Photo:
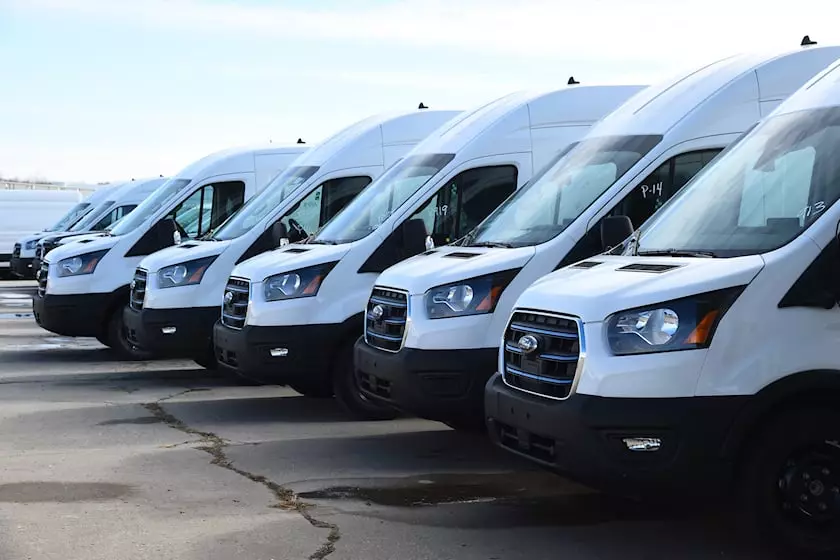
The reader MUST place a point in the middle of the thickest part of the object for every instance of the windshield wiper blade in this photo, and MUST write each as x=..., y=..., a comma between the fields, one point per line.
x=676, y=253
x=321, y=242
x=496, y=244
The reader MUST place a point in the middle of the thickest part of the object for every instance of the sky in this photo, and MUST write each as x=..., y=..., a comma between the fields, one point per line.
x=98, y=90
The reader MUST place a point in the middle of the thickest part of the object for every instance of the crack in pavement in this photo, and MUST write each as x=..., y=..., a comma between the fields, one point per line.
x=215, y=446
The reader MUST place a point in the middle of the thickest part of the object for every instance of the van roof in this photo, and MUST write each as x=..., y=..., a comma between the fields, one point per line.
x=821, y=91
x=727, y=92
x=366, y=142
x=238, y=159
x=572, y=104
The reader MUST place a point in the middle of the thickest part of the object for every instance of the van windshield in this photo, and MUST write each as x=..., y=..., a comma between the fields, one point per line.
x=547, y=205
x=70, y=217
x=759, y=195
x=91, y=217
x=149, y=206
x=260, y=206
x=381, y=198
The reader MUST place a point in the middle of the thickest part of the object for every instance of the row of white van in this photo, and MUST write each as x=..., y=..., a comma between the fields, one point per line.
x=551, y=266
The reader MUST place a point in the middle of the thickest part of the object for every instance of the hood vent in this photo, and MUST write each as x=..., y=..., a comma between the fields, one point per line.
x=188, y=246
x=296, y=250
x=653, y=268
x=461, y=255
x=85, y=240
x=586, y=264
x=430, y=252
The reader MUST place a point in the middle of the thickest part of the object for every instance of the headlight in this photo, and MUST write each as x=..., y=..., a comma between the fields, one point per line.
x=30, y=245
x=184, y=274
x=297, y=284
x=468, y=297
x=80, y=265
x=682, y=324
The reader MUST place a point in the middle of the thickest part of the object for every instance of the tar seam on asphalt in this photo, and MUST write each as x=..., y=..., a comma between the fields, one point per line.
x=215, y=447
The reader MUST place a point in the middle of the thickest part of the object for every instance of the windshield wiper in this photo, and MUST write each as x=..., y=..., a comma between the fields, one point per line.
x=321, y=242
x=676, y=253
x=497, y=244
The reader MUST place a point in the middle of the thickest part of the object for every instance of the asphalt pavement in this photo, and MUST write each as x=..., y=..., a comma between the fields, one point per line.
x=101, y=459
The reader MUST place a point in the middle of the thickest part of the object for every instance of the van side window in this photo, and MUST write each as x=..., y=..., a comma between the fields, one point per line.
x=465, y=201
x=113, y=216
x=319, y=206
x=208, y=207
x=648, y=196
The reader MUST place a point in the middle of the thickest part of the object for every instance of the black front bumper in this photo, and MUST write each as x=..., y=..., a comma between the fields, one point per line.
x=582, y=438
x=443, y=385
x=73, y=315
x=193, y=329
x=309, y=350
x=23, y=267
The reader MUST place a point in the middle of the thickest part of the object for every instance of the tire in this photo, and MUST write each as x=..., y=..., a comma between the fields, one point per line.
x=790, y=483
x=208, y=360
x=313, y=388
x=103, y=340
x=467, y=425
x=118, y=341
x=347, y=391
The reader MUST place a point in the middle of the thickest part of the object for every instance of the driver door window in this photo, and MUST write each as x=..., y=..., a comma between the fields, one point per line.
x=321, y=205
x=208, y=207
x=115, y=215
x=463, y=202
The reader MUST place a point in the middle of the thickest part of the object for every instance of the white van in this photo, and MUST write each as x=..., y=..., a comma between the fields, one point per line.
x=84, y=285
x=630, y=164
x=294, y=314
x=119, y=204
x=706, y=355
x=24, y=211
x=177, y=292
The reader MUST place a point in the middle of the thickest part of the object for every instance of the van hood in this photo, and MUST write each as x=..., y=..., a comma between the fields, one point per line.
x=451, y=264
x=187, y=251
x=34, y=237
x=595, y=293
x=80, y=246
x=287, y=259
x=81, y=237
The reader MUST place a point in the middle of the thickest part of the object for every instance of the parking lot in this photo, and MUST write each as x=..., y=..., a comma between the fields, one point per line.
x=111, y=460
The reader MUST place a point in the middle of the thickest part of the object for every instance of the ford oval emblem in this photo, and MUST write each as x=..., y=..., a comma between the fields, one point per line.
x=377, y=312
x=228, y=298
x=528, y=343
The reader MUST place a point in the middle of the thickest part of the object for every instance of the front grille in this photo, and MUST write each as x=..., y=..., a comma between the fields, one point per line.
x=235, y=306
x=42, y=276
x=385, y=318
x=138, y=289
x=549, y=369
x=16, y=251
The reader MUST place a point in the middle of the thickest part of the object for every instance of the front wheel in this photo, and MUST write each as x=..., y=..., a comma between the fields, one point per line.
x=313, y=388
x=791, y=483
x=347, y=391
x=119, y=341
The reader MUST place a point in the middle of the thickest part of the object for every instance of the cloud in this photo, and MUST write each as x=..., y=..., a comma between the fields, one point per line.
x=687, y=33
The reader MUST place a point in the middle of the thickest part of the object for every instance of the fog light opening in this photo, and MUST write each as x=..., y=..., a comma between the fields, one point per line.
x=279, y=352
x=169, y=330
x=643, y=444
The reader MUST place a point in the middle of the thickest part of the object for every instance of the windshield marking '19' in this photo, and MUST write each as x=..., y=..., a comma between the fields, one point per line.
x=379, y=200
x=563, y=191
x=759, y=195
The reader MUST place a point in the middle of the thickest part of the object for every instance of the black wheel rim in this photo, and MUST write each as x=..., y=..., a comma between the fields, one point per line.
x=809, y=487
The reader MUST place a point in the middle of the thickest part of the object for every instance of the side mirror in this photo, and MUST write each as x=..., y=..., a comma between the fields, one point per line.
x=614, y=230
x=414, y=236
x=279, y=232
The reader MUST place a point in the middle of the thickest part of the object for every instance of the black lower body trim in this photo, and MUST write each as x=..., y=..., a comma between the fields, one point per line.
x=443, y=385
x=74, y=315
x=302, y=350
x=22, y=267
x=583, y=438
x=193, y=333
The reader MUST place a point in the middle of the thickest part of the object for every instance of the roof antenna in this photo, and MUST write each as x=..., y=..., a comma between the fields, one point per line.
x=300, y=141
x=806, y=40
x=422, y=106
x=572, y=81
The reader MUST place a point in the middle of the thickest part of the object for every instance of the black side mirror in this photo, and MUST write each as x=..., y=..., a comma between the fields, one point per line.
x=160, y=236
x=279, y=231
x=614, y=230
x=413, y=234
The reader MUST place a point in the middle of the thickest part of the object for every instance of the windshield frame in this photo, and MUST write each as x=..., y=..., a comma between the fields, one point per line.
x=383, y=185
x=735, y=160
x=72, y=216
x=93, y=216
x=282, y=181
x=559, y=166
x=154, y=202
